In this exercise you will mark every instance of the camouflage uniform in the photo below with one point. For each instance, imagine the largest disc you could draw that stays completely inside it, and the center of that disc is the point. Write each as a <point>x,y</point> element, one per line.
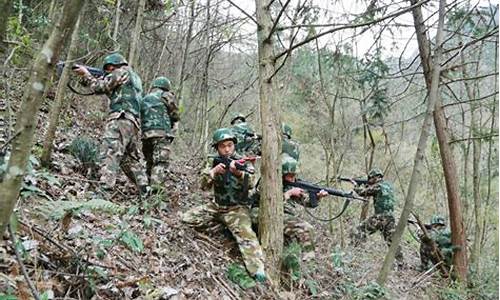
<point>248,143</point>
<point>442,237</point>
<point>232,209</point>
<point>120,145</point>
<point>383,219</point>
<point>159,113</point>
<point>294,227</point>
<point>289,146</point>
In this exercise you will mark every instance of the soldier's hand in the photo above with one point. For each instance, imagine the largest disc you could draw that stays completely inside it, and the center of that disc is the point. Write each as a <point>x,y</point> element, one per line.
<point>294,192</point>
<point>81,70</point>
<point>218,169</point>
<point>322,194</point>
<point>232,169</point>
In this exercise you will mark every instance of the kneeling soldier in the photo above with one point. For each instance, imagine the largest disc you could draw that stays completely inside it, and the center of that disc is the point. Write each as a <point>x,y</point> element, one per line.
<point>439,234</point>
<point>230,181</point>
<point>159,119</point>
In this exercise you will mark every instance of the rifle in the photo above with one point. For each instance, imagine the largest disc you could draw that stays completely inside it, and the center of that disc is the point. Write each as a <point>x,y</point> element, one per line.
<point>239,163</point>
<point>359,181</point>
<point>313,189</point>
<point>95,72</point>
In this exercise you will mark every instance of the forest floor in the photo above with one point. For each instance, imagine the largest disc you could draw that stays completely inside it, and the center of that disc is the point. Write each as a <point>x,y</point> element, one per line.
<point>124,248</point>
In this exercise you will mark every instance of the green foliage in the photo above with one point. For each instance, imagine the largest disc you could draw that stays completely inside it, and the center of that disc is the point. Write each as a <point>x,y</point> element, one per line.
<point>131,241</point>
<point>7,297</point>
<point>370,291</point>
<point>58,209</point>
<point>86,151</point>
<point>238,274</point>
<point>291,260</point>
<point>337,259</point>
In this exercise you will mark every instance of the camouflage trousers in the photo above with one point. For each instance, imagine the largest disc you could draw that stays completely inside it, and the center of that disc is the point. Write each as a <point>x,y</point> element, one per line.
<point>294,229</point>
<point>237,219</point>
<point>156,153</point>
<point>384,223</point>
<point>120,150</point>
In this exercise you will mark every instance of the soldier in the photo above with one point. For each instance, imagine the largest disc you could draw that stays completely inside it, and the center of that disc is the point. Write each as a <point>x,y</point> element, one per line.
<point>383,203</point>
<point>159,121</point>
<point>289,146</point>
<point>294,227</point>
<point>120,145</point>
<point>232,205</point>
<point>248,141</point>
<point>439,234</point>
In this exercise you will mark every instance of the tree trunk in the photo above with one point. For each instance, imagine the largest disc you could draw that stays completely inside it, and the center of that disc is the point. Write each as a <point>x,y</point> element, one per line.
<point>271,204</point>
<point>433,92</point>
<point>5,6</point>
<point>204,85</point>
<point>185,53</point>
<point>28,113</point>
<point>59,100</point>
<point>117,20</point>
<point>449,168</point>
<point>132,57</point>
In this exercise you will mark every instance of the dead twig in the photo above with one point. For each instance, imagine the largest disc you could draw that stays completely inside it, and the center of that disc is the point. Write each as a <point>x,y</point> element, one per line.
<point>33,289</point>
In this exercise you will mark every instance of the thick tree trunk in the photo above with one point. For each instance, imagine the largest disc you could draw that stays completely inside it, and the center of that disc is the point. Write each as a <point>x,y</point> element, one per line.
<point>433,92</point>
<point>133,53</point>
<point>271,204</point>
<point>58,104</point>
<point>5,6</point>
<point>449,167</point>
<point>28,113</point>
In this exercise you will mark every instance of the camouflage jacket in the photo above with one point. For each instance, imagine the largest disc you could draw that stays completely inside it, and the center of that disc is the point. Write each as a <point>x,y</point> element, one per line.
<point>383,196</point>
<point>442,238</point>
<point>233,193</point>
<point>247,143</point>
<point>123,87</point>
<point>158,114</point>
<point>291,148</point>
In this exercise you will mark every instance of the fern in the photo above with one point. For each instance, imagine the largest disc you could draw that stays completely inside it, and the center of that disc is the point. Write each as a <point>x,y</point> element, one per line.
<point>58,209</point>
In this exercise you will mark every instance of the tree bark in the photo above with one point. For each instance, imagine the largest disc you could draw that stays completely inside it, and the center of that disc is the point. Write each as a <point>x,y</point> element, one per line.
<point>271,204</point>
<point>449,167</point>
<point>117,20</point>
<point>58,105</point>
<point>433,92</point>
<point>5,6</point>
<point>185,53</point>
<point>133,53</point>
<point>28,113</point>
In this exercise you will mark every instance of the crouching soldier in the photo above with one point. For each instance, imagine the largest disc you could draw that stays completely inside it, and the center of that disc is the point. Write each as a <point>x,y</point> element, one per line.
<point>231,179</point>
<point>120,145</point>
<point>441,236</point>
<point>159,119</point>
<point>294,227</point>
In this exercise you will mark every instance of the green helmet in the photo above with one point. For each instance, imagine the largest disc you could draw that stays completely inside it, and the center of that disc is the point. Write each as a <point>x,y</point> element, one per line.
<point>162,83</point>
<point>437,219</point>
<point>115,59</point>
<point>223,134</point>
<point>375,172</point>
<point>289,165</point>
<point>286,130</point>
<point>238,116</point>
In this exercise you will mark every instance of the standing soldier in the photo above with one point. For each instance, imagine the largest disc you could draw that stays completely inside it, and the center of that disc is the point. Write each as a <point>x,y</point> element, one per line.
<point>289,146</point>
<point>159,120</point>
<point>383,203</point>
<point>294,227</point>
<point>120,145</point>
<point>231,205</point>
<point>439,234</point>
